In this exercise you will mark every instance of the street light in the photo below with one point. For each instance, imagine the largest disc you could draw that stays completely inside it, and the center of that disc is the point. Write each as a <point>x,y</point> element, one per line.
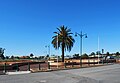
<point>47,56</point>
<point>48,53</point>
<point>81,36</point>
<point>102,56</point>
<point>57,48</point>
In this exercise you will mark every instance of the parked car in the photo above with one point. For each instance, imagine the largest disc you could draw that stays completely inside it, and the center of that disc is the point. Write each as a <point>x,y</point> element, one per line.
<point>108,59</point>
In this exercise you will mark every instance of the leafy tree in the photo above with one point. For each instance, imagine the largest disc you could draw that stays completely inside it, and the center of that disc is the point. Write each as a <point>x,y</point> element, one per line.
<point>92,54</point>
<point>84,55</point>
<point>98,53</point>
<point>31,55</point>
<point>107,54</point>
<point>36,57</point>
<point>76,56</point>
<point>47,56</point>
<point>17,57</point>
<point>2,53</point>
<point>28,57</point>
<point>63,39</point>
<point>7,57</point>
<point>12,57</point>
<point>41,57</point>
<point>117,54</point>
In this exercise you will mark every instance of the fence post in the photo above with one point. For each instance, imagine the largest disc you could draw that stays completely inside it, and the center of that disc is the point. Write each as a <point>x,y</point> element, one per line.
<point>48,65</point>
<point>28,66</point>
<point>65,64</point>
<point>102,60</point>
<point>39,66</point>
<point>5,68</point>
<point>72,64</point>
<point>88,61</point>
<point>17,67</point>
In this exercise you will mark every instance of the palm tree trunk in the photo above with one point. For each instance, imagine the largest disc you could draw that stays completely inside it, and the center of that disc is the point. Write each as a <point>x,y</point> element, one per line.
<point>63,46</point>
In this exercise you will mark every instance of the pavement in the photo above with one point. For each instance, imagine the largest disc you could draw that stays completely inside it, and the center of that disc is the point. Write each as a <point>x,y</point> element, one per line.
<point>102,74</point>
<point>18,72</point>
<point>2,73</point>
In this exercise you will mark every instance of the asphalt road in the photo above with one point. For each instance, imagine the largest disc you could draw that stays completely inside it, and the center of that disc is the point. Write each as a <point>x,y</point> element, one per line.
<point>103,74</point>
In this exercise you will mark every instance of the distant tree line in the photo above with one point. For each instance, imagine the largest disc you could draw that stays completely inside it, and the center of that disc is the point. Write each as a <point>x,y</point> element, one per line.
<point>85,55</point>
<point>75,56</point>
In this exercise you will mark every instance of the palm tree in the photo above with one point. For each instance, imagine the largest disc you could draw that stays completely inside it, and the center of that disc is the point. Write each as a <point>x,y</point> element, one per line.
<point>63,39</point>
<point>2,53</point>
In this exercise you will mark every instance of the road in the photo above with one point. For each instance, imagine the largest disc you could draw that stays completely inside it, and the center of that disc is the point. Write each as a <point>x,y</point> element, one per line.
<point>103,74</point>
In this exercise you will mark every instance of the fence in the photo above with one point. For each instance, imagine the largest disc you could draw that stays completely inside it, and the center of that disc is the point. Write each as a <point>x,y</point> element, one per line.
<point>51,65</point>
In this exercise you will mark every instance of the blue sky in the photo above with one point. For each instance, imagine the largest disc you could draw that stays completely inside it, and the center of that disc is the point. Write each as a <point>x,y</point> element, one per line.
<point>27,26</point>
